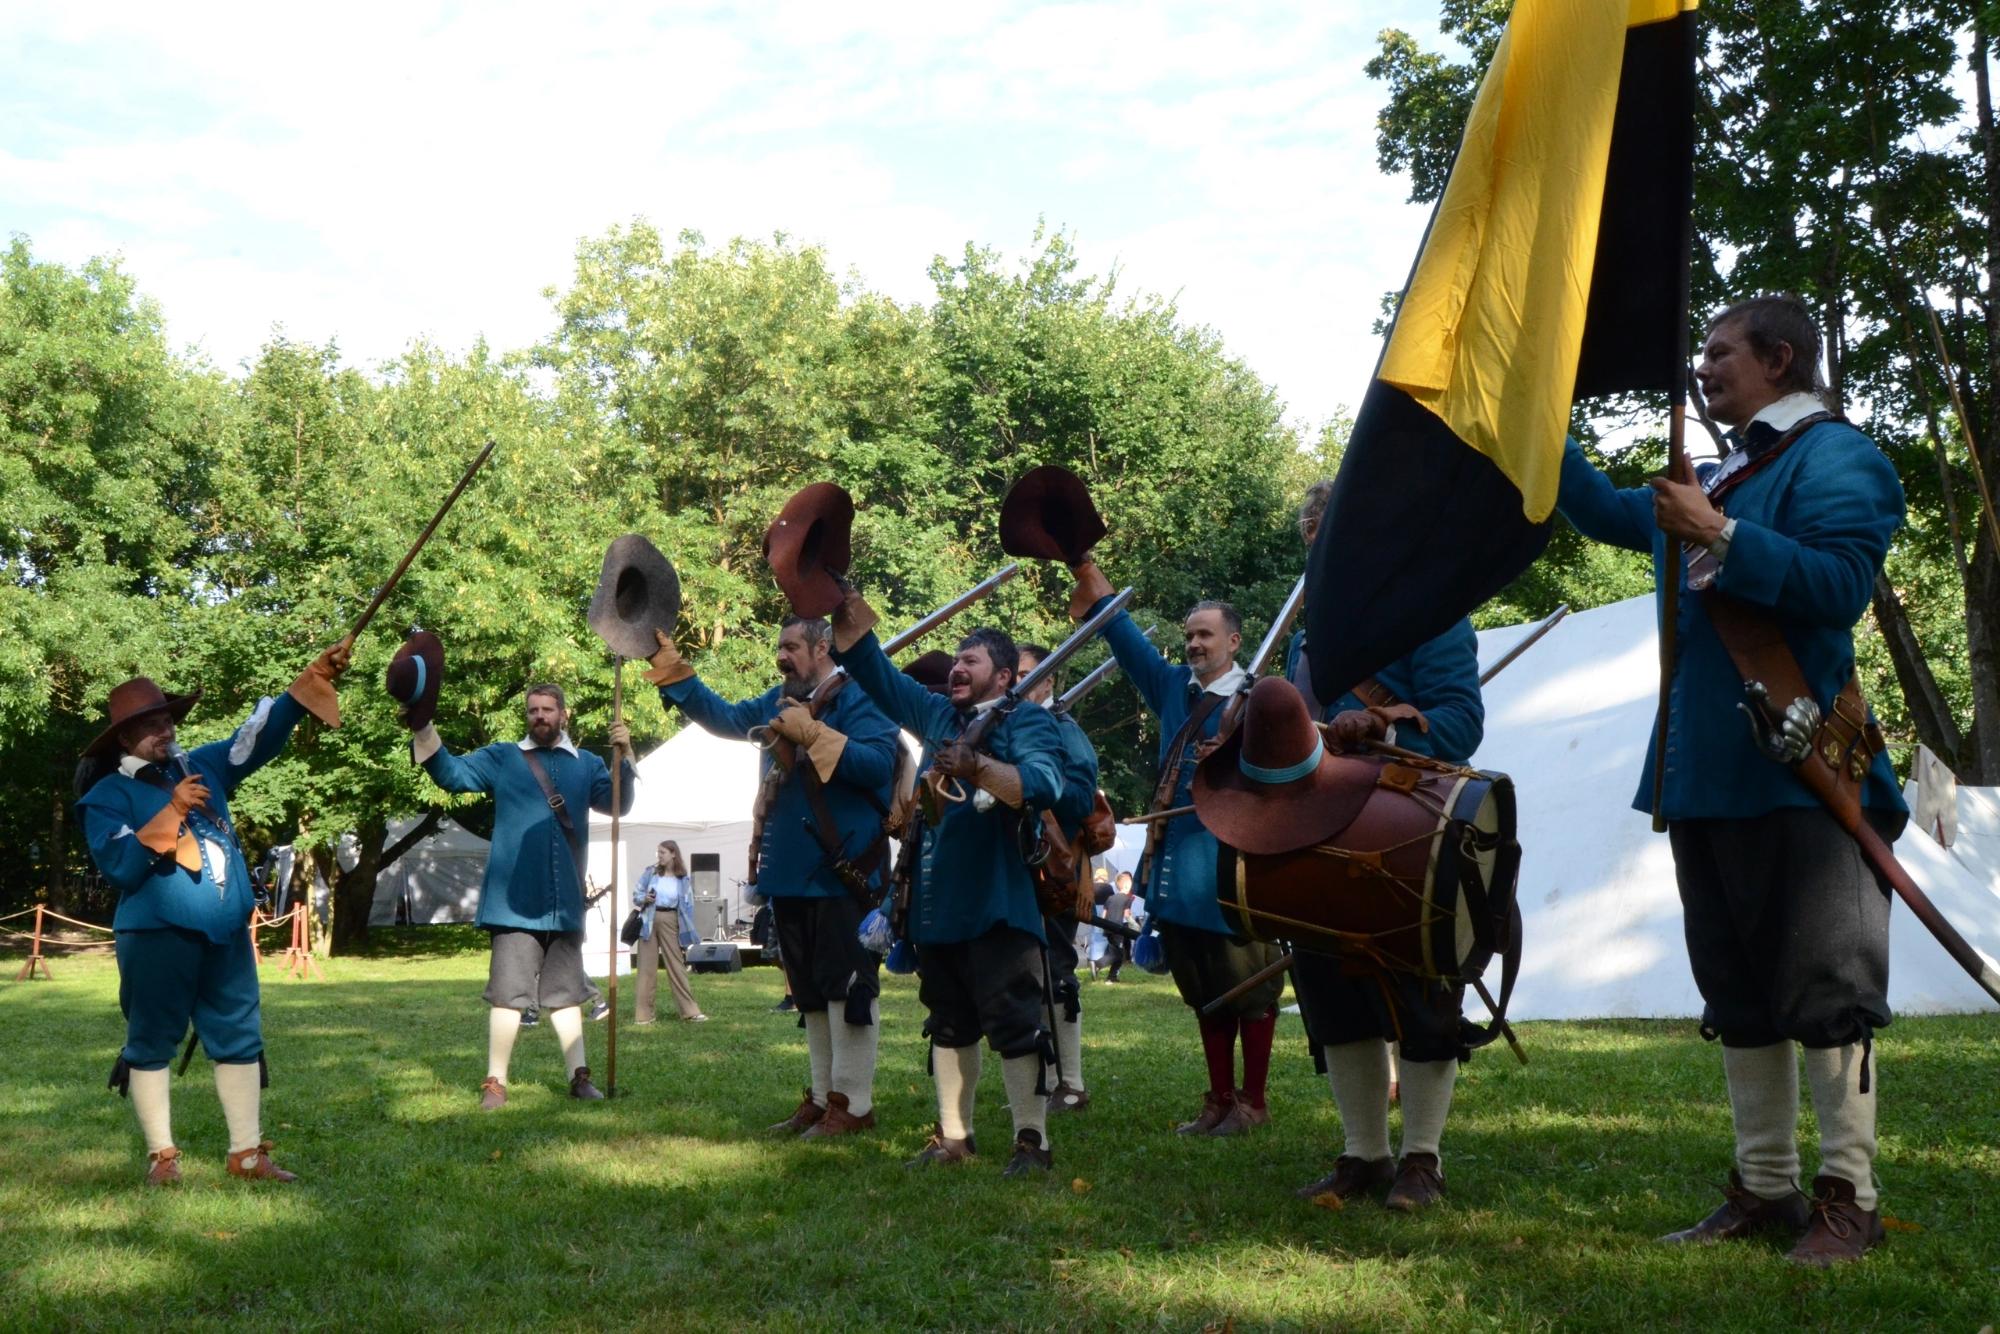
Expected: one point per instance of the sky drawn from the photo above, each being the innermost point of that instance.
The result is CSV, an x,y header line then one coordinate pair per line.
x,y
373,173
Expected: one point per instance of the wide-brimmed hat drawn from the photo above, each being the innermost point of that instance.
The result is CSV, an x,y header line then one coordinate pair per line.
x,y
135,699
808,547
932,671
1273,786
637,594
414,675
1048,515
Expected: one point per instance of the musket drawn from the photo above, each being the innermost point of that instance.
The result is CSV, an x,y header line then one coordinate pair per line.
x,y
1281,626
1098,676
982,724
977,592
382,594
1526,642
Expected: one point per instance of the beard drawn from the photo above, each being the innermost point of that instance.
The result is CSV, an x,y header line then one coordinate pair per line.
x,y
544,733
794,687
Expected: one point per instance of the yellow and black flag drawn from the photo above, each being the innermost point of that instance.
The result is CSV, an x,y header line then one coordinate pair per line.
x,y
1554,269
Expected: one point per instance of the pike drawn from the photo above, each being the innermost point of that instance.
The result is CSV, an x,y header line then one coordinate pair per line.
x,y
402,568
1281,625
1526,642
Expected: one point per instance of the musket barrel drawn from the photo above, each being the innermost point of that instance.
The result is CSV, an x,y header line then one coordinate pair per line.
x,y
1527,642
977,592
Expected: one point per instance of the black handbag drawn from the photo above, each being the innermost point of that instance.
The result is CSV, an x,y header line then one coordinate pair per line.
x,y
629,933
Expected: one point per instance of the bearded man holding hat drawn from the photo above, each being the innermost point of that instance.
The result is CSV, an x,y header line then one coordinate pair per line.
x,y
157,821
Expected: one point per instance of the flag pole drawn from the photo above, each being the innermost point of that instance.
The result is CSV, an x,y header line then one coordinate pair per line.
x,y
1677,470
611,911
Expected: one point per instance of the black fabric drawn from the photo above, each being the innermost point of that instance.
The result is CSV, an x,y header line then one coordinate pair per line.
x,y
1061,932
824,958
1205,964
540,970
1633,325
990,987
1420,529
1341,1007
1787,926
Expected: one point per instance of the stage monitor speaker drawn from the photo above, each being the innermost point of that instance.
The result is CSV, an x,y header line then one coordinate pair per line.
x,y
715,956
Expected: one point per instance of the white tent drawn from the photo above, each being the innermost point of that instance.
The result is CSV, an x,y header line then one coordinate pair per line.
x,y
436,881
1568,721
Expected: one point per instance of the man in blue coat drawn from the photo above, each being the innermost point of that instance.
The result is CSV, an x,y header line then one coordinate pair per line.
x,y
1079,798
821,856
1178,879
157,822
973,917
1427,701
531,900
1787,925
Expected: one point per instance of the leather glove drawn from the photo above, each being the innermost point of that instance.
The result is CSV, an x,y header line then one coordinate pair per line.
x,y
425,742
667,664
796,724
189,793
1091,588
852,619
314,688
1001,779
164,833
621,739
1350,728
957,760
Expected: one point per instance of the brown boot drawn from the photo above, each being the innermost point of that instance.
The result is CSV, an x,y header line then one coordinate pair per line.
x,y
254,1164
163,1167
492,1094
939,1151
1214,1106
1350,1178
804,1115
1031,1156
581,1088
1742,1214
1419,1183
1240,1118
837,1120
1840,1230
1067,1099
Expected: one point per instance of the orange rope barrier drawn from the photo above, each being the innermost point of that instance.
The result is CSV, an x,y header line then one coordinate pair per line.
x,y
88,926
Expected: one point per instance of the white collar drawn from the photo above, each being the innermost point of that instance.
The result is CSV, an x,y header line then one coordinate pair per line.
x,y
132,764
1226,684
562,743
1788,411
986,704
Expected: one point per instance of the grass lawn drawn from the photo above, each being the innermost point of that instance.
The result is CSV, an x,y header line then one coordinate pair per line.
x,y
666,1207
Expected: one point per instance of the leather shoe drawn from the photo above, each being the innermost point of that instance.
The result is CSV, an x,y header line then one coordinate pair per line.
x,y
254,1164
581,1088
1840,1230
1419,1182
806,1114
163,1167
492,1094
1241,1118
938,1150
838,1120
1067,1099
1350,1178
1214,1106
1742,1214
1030,1156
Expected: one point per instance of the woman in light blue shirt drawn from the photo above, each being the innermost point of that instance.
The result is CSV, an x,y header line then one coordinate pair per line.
x,y
663,899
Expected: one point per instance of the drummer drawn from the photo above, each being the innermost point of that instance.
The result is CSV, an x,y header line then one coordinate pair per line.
x,y
1427,701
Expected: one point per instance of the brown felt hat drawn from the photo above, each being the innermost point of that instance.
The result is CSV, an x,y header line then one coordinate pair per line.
x,y
414,675
932,671
637,593
1048,515
1273,786
135,699
808,548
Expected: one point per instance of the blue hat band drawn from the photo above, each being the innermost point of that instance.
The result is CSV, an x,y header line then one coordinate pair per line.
x,y
423,675
1290,773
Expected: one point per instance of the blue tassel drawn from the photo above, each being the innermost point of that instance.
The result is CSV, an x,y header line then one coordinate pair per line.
x,y
875,934
902,958
1148,953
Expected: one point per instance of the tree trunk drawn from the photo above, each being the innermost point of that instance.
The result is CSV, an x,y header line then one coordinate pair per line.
x,y
58,851
353,893
1979,759
1930,711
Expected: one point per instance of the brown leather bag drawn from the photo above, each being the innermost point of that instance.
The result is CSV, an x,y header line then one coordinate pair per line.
x,y
1062,881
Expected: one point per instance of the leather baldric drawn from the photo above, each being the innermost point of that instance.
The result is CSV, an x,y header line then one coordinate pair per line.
x,y
1374,695
854,873
559,807
1170,777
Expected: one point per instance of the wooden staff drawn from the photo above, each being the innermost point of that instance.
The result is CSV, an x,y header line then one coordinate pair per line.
x,y
1527,642
382,593
611,909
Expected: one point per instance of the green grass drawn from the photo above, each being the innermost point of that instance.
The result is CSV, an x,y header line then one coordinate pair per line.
x,y
665,1207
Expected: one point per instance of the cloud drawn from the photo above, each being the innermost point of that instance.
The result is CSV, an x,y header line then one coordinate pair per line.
x,y
390,171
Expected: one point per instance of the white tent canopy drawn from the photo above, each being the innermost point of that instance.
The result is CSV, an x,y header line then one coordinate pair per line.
x,y
436,881
1569,722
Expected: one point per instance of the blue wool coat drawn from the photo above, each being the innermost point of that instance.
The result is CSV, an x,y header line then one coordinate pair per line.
x,y
1181,881
531,882
970,876
1812,530
155,891
1079,790
791,863
1440,678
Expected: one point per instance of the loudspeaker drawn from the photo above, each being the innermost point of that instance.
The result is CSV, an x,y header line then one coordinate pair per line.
x,y
705,873
715,956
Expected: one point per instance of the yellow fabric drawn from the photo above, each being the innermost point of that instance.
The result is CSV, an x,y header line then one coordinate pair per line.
x,y
1489,331
1643,12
